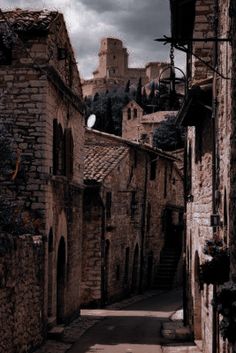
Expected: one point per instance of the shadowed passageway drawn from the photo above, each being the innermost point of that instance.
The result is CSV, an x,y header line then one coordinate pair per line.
x,y
133,329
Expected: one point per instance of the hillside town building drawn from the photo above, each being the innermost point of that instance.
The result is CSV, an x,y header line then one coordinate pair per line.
x,y
133,217
113,69
209,115
137,126
41,110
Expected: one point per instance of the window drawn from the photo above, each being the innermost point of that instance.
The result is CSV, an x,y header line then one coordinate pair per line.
x,y
148,216
135,113
5,53
126,277
58,152
165,181
189,171
129,113
133,204
108,204
117,272
153,166
135,159
68,151
63,147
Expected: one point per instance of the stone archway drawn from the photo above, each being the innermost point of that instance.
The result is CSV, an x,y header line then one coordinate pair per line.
x,y
50,271
106,270
149,269
134,284
197,300
61,271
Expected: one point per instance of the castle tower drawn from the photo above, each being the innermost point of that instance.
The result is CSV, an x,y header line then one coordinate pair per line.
x,y
113,59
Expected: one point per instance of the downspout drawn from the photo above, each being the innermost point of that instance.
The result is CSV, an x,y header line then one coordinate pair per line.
x,y
103,223
143,225
185,272
215,336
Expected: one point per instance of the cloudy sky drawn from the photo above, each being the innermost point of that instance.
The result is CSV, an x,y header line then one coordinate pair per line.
x,y
135,22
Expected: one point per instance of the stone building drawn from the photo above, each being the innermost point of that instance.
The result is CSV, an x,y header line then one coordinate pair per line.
x,y
137,126
209,115
113,70
41,109
133,212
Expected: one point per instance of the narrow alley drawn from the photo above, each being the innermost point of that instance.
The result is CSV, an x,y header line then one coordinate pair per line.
x,y
120,328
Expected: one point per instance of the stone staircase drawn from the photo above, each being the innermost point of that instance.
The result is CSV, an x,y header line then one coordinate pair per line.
x,y
167,267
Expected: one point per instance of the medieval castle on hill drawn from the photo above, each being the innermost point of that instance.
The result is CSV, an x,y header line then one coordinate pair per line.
x,y
113,69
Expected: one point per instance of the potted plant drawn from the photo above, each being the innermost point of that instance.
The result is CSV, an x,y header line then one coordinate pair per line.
x,y
216,270
225,302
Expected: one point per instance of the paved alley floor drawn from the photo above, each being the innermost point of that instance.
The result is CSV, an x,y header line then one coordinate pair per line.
x,y
130,326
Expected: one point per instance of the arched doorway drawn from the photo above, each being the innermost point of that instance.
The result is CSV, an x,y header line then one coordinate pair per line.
x,y
50,271
149,269
106,269
134,284
197,300
61,270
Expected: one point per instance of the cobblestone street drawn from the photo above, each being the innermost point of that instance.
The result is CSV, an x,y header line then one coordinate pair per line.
x,y
133,325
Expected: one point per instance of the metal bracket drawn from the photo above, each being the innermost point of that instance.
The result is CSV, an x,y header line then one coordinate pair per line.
x,y
175,41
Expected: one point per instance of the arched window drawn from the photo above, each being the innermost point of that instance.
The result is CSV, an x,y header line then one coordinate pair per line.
x,y
129,113
68,153
57,148
135,113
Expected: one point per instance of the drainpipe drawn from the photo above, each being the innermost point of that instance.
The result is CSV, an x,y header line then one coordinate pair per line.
x,y
103,225
215,336
143,225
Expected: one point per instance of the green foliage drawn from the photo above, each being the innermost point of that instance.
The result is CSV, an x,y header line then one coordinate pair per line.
x,y
225,303
108,110
168,136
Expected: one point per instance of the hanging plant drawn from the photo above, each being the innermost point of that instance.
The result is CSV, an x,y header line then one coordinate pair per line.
x,y
213,247
216,270
225,303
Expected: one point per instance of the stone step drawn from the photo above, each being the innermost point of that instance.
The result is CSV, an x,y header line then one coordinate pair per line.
x,y
175,330
52,321
181,349
56,333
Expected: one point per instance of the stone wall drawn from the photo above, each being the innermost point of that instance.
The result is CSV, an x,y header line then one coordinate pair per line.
x,y
205,200
35,100
21,293
134,225
203,28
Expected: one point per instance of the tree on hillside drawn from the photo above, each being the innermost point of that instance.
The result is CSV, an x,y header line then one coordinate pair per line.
x,y
168,136
127,87
138,96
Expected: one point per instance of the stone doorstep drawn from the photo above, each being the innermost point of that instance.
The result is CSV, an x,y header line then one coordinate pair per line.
x,y
52,322
56,333
176,330
180,349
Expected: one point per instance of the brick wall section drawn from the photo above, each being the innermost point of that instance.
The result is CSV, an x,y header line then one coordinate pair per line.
x,y
21,293
202,29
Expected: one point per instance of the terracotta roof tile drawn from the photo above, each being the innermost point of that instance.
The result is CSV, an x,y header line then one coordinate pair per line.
x,y
157,117
100,160
26,20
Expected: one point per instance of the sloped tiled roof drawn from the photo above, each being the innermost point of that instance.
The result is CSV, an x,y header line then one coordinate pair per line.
x,y
101,159
26,20
157,117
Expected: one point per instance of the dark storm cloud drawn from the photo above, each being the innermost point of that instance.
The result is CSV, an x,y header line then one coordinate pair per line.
x,y
135,22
